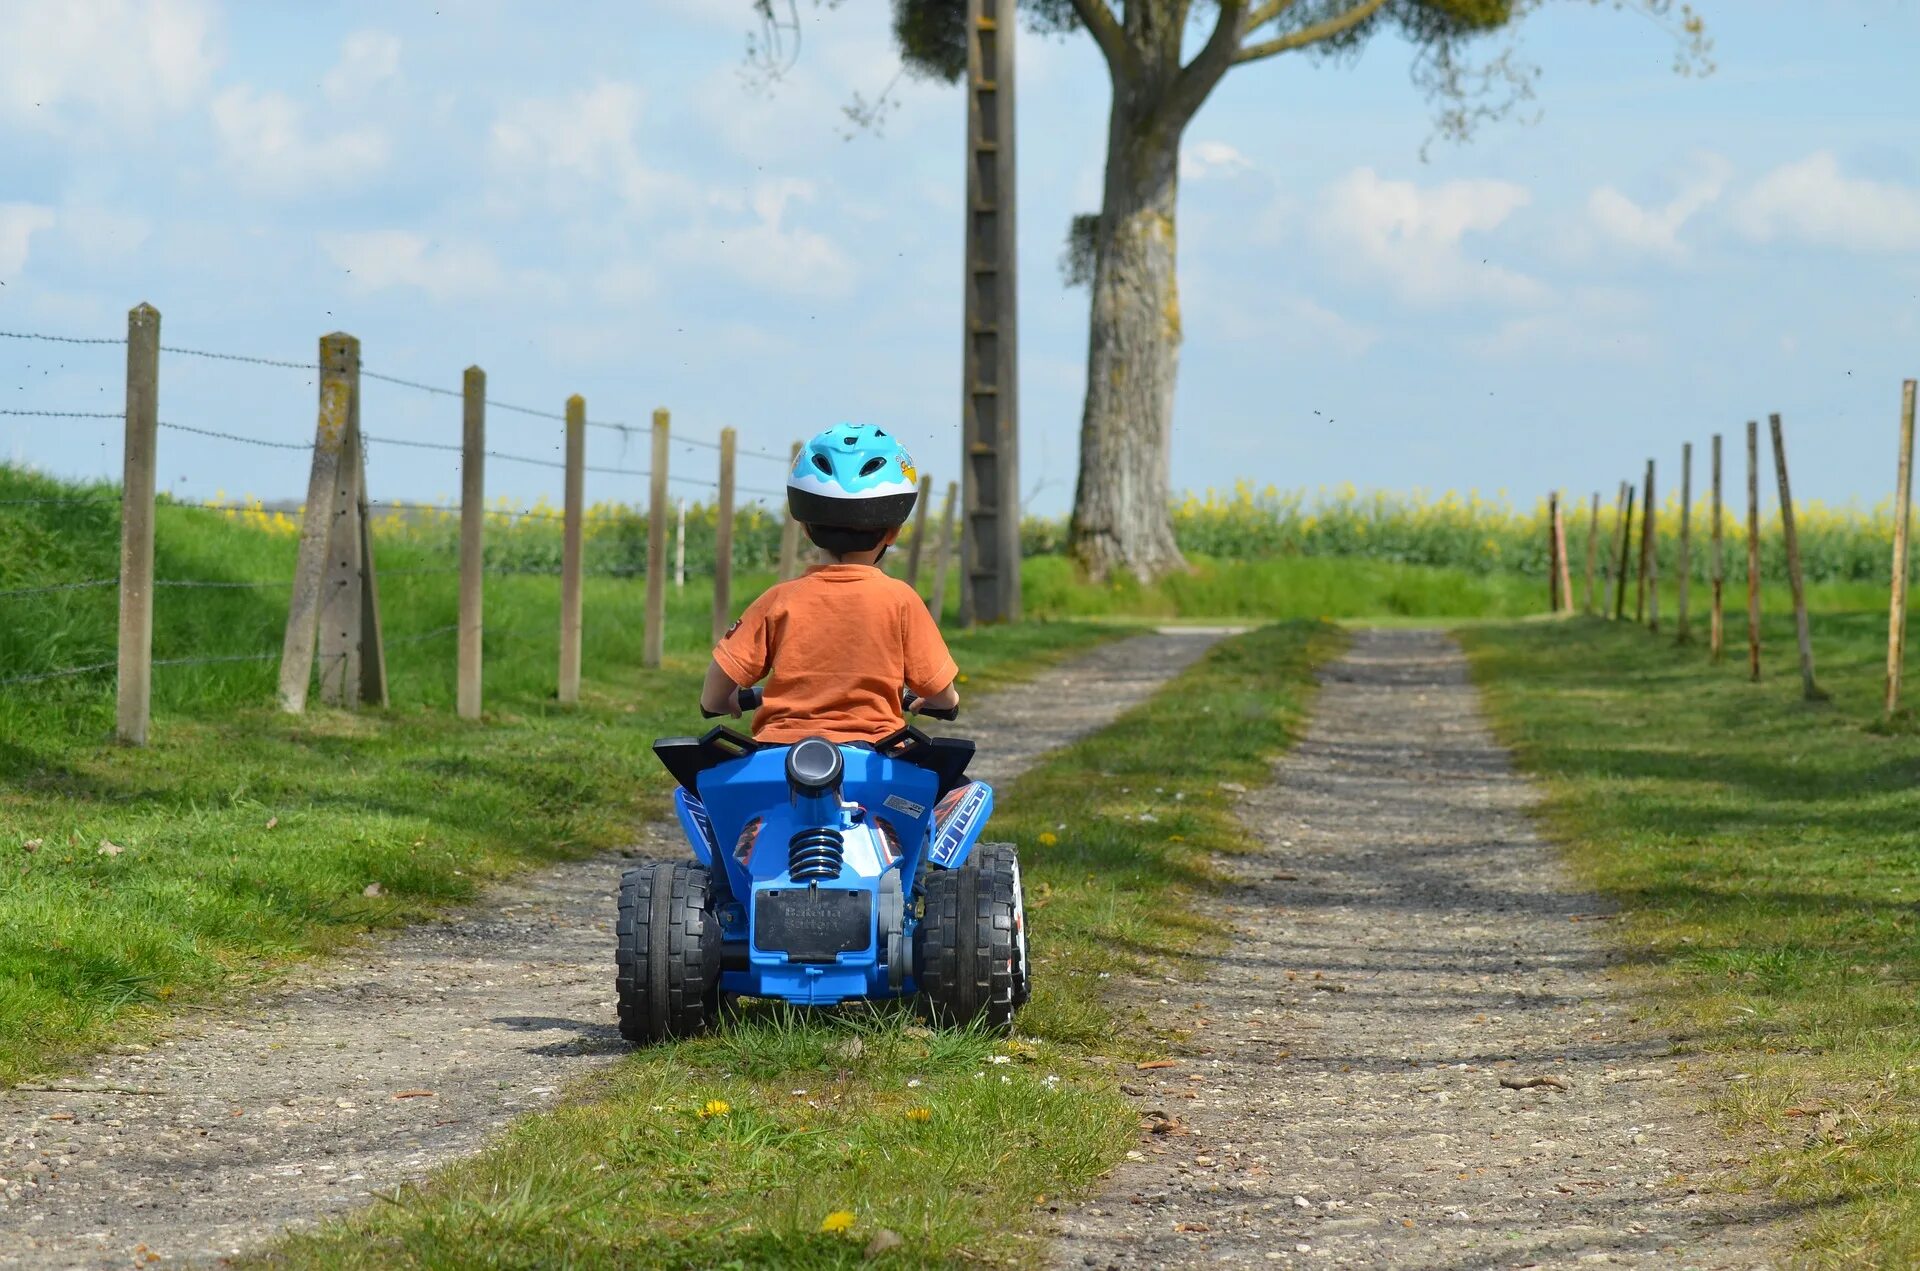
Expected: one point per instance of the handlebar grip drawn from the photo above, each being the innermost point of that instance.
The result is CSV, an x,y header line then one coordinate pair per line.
x,y
912,705
750,699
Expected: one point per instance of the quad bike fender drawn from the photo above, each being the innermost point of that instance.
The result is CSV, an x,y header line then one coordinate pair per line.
x,y
959,820
697,825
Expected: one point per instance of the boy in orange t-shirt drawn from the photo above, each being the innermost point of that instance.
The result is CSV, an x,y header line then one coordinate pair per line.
x,y
836,644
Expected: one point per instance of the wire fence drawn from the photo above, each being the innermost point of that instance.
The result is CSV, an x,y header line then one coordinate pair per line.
x,y
607,545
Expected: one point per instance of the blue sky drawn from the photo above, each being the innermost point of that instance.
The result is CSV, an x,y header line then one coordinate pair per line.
x,y
603,206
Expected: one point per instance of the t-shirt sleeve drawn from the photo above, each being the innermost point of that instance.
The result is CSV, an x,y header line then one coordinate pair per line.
x,y
745,653
930,668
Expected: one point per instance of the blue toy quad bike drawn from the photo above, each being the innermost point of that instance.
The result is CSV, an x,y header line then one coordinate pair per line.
x,y
824,873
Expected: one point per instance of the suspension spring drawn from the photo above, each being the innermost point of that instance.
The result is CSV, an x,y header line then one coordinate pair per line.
x,y
815,854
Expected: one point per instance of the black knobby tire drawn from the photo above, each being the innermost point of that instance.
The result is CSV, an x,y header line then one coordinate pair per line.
x,y
970,949
668,952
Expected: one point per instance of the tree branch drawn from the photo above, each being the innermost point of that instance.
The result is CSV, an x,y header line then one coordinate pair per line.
x,y
1324,30
1105,28
1199,76
1266,13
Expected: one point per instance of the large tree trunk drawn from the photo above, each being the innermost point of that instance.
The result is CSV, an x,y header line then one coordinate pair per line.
x,y
1121,514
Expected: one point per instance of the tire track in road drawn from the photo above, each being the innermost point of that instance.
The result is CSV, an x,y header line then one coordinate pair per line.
x,y
365,1072
1406,946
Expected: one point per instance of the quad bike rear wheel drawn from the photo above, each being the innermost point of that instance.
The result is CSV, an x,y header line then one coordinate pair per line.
x,y
668,954
970,949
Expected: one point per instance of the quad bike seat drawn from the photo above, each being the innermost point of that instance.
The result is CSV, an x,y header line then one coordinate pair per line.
x,y
687,757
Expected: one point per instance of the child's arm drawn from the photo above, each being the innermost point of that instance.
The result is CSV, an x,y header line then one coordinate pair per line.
x,y
946,699
720,694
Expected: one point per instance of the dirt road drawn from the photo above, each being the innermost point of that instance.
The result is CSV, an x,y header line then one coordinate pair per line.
x,y
368,1071
1409,950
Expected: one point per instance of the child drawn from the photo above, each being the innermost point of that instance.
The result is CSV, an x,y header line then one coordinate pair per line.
x,y
837,643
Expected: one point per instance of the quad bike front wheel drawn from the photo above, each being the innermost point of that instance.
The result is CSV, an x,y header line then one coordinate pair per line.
x,y
668,953
970,949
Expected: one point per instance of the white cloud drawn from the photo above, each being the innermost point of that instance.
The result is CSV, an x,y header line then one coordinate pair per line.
x,y
102,67
1411,238
1657,230
390,258
263,137
1211,158
769,251
368,60
18,224
1591,324
1811,201
582,142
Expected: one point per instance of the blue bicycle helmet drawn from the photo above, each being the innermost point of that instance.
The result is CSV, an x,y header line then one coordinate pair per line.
x,y
855,476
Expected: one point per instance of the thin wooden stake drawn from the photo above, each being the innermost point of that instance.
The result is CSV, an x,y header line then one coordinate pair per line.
x,y
723,539
1681,634
322,510
943,554
1802,628
680,544
1902,523
1553,552
1593,550
1717,633
1649,556
473,560
657,513
1753,550
1626,559
790,532
1560,546
920,509
138,461
572,532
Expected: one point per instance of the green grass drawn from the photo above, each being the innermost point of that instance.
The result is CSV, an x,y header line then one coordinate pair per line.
x,y
249,837
1766,855
818,1106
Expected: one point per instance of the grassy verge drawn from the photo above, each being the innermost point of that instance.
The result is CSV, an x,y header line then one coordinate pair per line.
x,y
1765,853
133,883
815,1140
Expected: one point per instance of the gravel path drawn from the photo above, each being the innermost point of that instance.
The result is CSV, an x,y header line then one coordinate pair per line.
x,y
1407,947
368,1071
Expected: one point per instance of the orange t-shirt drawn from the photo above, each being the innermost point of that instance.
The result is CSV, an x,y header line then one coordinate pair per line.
x,y
835,645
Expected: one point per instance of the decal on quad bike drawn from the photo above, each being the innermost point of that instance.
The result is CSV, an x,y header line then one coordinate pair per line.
x,y
696,822
906,807
958,819
749,835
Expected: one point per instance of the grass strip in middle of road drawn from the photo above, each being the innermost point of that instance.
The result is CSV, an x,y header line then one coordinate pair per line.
x,y
828,1139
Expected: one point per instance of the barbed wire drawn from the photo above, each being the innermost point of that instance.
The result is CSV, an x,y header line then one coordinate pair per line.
x,y
423,636
83,585
68,501
227,436
240,357
206,582
64,414
211,659
61,339
39,677
529,513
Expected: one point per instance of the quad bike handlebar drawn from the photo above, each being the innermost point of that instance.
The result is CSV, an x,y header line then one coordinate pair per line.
x,y
749,701
913,705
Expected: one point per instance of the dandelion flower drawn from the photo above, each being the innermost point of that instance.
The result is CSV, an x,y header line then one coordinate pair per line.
x,y
1048,838
919,1114
715,1108
837,1222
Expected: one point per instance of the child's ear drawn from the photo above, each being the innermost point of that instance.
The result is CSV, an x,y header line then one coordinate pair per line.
x,y
893,536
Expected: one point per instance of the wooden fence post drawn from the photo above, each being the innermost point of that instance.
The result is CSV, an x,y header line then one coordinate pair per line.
x,y
943,554
680,543
656,635
919,531
1553,552
473,519
1717,635
138,461
343,598
572,533
1593,549
1753,550
790,532
1902,522
1802,628
1649,590
723,539
1560,547
1681,633
321,511
1626,557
